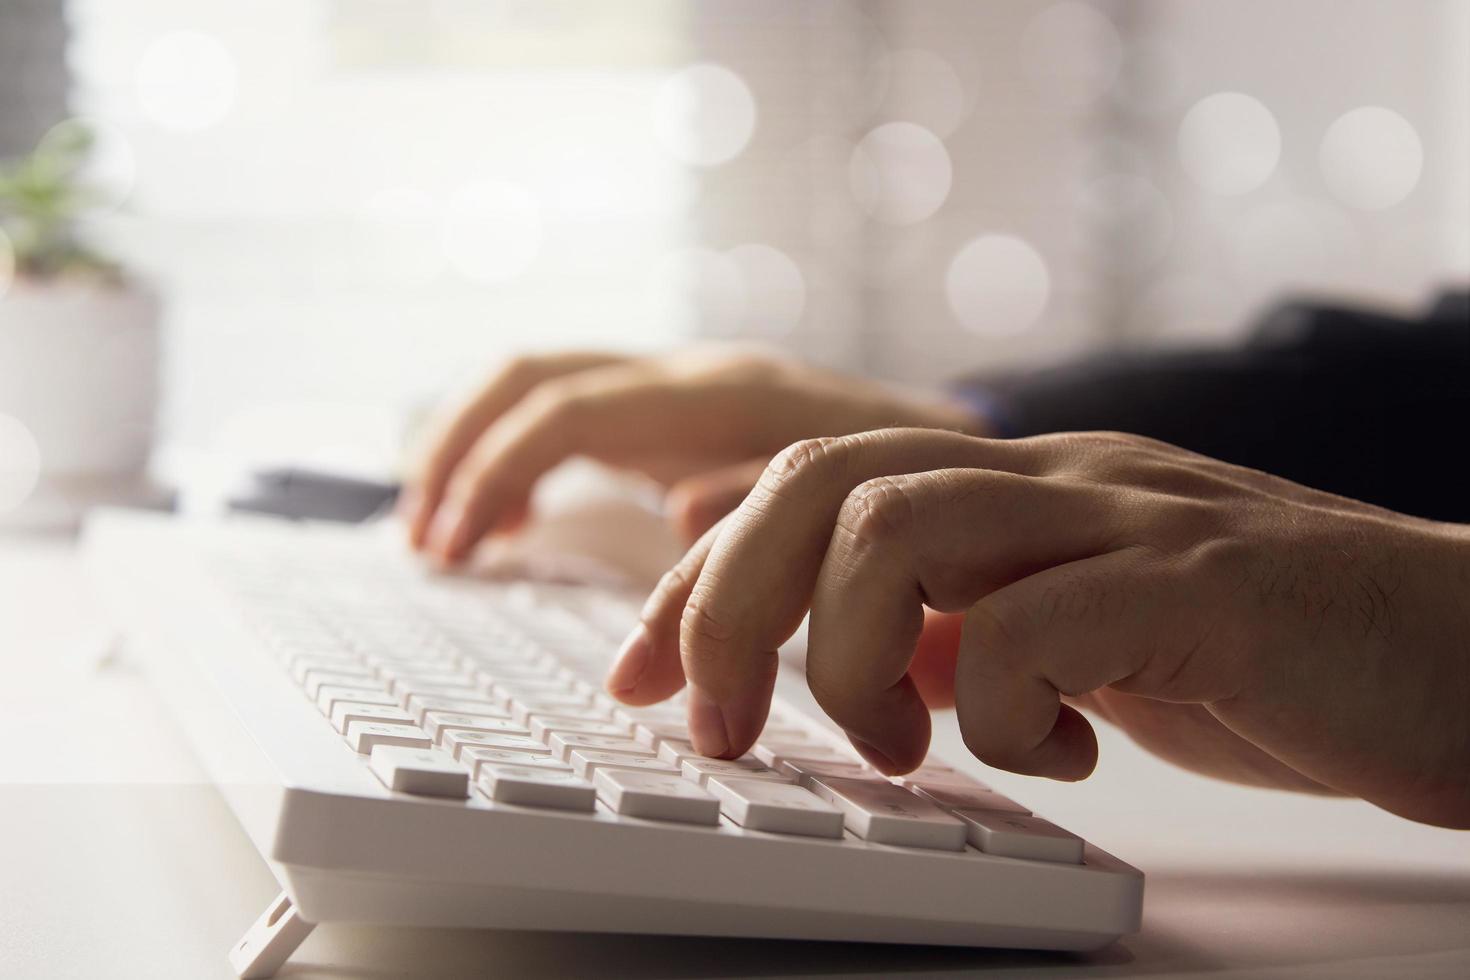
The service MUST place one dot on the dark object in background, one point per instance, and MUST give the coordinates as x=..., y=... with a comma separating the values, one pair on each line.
x=307, y=495
x=1356, y=402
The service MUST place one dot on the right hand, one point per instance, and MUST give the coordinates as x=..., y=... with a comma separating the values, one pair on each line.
x=703, y=422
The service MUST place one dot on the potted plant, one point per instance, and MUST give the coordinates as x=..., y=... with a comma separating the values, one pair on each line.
x=78, y=338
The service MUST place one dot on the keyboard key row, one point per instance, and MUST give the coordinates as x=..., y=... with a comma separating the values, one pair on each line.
x=551, y=742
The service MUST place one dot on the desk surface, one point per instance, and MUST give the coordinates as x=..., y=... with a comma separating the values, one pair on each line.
x=118, y=861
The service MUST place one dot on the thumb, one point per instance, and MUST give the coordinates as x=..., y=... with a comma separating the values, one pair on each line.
x=695, y=504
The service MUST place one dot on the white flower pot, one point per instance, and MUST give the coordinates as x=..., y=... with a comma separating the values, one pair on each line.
x=79, y=369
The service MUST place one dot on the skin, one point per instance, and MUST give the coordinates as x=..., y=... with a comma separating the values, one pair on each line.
x=1232, y=622
x=704, y=423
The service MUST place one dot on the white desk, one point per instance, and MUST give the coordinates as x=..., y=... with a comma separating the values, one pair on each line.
x=116, y=861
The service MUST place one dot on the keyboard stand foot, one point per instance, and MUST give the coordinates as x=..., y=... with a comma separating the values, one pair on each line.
x=270, y=941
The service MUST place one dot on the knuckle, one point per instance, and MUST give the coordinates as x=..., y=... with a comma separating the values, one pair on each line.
x=800, y=461
x=520, y=370
x=705, y=630
x=672, y=585
x=876, y=511
x=998, y=629
x=555, y=405
x=751, y=366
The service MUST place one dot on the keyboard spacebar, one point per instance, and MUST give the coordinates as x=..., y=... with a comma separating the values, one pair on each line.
x=878, y=811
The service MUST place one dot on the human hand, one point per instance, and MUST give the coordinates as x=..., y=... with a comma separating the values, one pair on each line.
x=1232, y=621
x=703, y=422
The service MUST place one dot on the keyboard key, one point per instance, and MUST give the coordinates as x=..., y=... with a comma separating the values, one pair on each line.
x=674, y=751
x=771, y=753
x=534, y=786
x=955, y=797
x=327, y=697
x=535, y=687
x=879, y=811
x=457, y=741
x=363, y=736
x=299, y=663
x=805, y=772
x=419, y=705
x=347, y=672
x=785, y=733
x=562, y=743
x=655, y=796
x=652, y=733
x=1015, y=835
x=475, y=756
x=438, y=723
x=937, y=773
x=345, y=712
x=420, y=771
x=406, y=691
x=398, y=677
x=594, y=712
x=522, y=708
x=776, y=807
x=700, y=769
x=587, y=761
x=543, y=725
x=529, y=668
x=654, y=713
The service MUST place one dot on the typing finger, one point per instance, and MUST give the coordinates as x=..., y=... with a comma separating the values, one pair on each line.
x=610, y=413
x=1069, y=630
x=647, y=668
x=457, y=432
x=757, y=583
x=943, y=538
x=697, y=503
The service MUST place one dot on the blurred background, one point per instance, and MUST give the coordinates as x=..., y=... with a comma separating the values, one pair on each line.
x=292, y=224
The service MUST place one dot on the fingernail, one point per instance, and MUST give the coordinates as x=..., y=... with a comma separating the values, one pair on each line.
x=877, y=759
x=632, y=660
x=706, y=724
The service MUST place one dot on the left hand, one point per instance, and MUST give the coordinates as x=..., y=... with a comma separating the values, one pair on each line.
x=1232, y=621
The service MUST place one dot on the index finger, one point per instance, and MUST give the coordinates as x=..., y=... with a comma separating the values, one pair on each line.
x=945, y=538
x=758, y=581
x=611, y=414
x=459, y=429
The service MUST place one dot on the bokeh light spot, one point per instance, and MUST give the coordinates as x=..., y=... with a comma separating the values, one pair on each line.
x=900, y=173
x=922, y=87
x=774, y=287
x=1072, y=53
x=20, y=463
x=1371, y=158
x=1229, y=143
x=707, y=285
x=997, y=285
x=186, y=81
x=400, y=225
x=492, y=231
x=704, y=115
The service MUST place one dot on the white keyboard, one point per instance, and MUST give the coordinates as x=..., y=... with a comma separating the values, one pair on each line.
x=431, y=751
